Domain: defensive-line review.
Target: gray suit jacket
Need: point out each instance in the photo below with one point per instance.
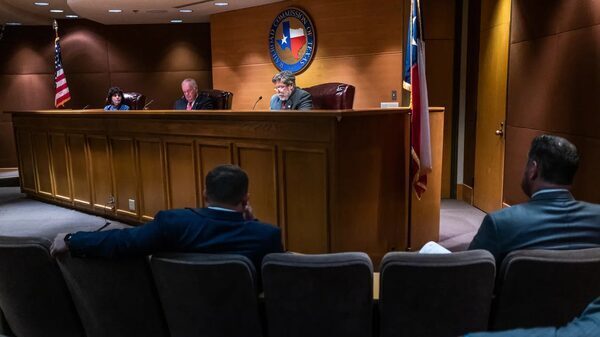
(298, 100)
(586, 325)
(549, 220)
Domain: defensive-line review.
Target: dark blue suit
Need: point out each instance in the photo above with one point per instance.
(184, 230)
(201, 103)
(586, 325)
(549, 220)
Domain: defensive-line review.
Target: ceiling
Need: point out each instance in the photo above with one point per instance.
(25, 12)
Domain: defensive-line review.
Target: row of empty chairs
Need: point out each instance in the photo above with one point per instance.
(196, 294)
(325, 96)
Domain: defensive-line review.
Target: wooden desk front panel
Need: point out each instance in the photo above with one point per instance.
(83, 162)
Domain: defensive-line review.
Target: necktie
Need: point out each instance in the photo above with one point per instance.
(189, 106)
(283, 105)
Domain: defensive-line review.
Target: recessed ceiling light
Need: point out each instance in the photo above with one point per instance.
(221, 3)
(185, 11)
(56, 11)
(115, 10)
(13, 23)
(176, 21)
(71, 16)
(41, 3)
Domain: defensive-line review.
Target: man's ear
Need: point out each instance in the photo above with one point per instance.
(534, 169)
(245, 199)
(204, 196)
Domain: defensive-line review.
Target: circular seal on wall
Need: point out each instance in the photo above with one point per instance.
(292, 40)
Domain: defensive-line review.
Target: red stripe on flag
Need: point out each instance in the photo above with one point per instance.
(419, 179)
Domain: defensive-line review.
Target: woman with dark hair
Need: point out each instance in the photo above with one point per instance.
(115, 100)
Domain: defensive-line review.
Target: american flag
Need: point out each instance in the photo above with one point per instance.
(415, 82)
(62, 95)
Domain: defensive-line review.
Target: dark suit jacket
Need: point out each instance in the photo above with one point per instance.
(550, 220)
(201, 103)
(586, 325)
(184, 230)
(298, 100)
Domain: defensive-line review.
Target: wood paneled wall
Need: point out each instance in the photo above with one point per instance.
(151, 59)
(358, 42)
(553, 84)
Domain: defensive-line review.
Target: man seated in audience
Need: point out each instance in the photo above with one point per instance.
(287, 96)
(226, 226)
(552, 218)
(190, 99)
(586, 325)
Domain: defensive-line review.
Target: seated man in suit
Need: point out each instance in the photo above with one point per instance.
(552, 218)
(190, 99)
(226, 226)
(586, 325)
(288, 96)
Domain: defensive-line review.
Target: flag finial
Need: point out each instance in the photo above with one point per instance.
(55, 25)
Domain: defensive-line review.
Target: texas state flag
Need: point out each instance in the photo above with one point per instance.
(293, 39)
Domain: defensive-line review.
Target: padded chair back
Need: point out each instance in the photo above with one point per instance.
(222, 100)
(33, 293)
(318, 295)
(207, 294)
(546, 287)
(430, 295)
(114, 297)
(332, 96)
(135, 100)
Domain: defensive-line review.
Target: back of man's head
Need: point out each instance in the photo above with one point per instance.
(556, 157)
(226, 184)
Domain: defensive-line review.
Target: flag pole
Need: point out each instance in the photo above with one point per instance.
(55, 26)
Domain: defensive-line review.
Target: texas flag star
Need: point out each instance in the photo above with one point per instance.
(284, 40)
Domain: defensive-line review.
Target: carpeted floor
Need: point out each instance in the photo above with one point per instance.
(459, 222)
(21, 216)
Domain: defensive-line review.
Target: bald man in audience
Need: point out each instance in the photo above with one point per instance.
(552, 218)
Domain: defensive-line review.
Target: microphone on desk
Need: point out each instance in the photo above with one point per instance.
(258, 100)
(85, 107)
(148, 104)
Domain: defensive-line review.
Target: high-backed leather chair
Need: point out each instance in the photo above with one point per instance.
(135, 100)
(318, 295)
(545, 287)
(435, 295)
(33, 294)
(211, 295)
(332, 96)
(221, 99)
(114, 297)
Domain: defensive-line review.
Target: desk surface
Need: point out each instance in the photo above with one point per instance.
(191, 114)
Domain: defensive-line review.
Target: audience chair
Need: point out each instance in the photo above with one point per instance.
(545, 287)
(33, 293)
(114, 297)
(435, 295)
(207, 294)
(332, 96)
(135, 100)
(221, 99)
(318, 295)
